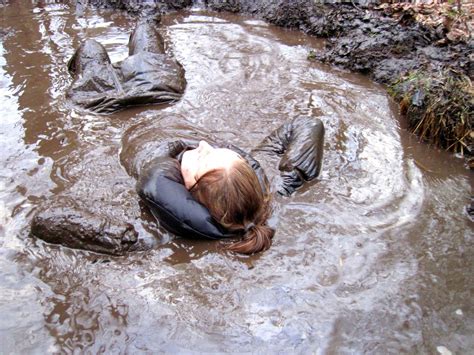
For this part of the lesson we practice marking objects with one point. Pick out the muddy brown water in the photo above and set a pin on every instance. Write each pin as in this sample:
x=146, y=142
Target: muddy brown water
x=374, y=257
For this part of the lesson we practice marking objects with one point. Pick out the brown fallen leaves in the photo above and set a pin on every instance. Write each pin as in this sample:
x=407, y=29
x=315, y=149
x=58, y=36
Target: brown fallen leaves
x=453, y=21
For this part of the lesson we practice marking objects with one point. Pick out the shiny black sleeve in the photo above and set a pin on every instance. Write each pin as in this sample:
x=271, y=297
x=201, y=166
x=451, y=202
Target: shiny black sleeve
x=161, y=187
x=175, y=148
x=300, y=143
x=138, y=159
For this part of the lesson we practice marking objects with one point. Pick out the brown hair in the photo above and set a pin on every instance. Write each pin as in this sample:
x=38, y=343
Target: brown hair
x=235, y=198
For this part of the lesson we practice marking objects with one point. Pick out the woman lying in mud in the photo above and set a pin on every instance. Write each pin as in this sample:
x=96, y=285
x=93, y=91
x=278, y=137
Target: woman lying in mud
x=219, y=191
x=196, y=190
x=201, y=190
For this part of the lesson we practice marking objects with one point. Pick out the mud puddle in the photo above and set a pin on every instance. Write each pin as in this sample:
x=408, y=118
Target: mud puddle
x=374, y=257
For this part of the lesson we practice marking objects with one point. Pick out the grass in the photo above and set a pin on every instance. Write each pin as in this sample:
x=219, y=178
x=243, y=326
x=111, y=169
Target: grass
x=439, y=108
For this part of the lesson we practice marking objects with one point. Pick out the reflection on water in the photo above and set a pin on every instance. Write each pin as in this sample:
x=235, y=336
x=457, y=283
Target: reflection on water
x=375, y=256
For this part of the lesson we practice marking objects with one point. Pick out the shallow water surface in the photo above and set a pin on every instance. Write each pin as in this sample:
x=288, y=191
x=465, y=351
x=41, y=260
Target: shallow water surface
x=373, y=257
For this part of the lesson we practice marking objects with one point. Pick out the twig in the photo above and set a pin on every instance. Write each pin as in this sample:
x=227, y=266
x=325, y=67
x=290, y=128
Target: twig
x=357, y=7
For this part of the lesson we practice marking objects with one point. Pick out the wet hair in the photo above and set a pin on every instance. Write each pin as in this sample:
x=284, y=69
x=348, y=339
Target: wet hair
x=236, y=199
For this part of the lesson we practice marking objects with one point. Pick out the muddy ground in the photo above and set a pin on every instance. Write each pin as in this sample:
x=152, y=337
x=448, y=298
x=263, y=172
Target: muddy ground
x=424, y=54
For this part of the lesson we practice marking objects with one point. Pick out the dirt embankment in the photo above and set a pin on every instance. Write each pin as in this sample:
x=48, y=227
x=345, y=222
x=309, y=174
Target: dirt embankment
x=138, y=6
x=423, y=53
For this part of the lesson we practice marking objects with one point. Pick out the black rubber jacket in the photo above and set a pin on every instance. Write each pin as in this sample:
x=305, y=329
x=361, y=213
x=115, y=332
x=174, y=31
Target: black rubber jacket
x=161, y=185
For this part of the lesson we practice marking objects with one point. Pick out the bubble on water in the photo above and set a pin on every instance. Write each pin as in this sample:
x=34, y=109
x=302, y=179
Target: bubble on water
x=443, y=350
x=4, y=213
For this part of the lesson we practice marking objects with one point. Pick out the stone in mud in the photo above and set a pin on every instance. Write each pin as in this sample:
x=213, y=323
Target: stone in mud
x=68, y=225
x=96, y=208
x=147, y=76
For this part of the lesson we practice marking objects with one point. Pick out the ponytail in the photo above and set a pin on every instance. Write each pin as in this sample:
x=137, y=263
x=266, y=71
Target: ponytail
x=257, y=238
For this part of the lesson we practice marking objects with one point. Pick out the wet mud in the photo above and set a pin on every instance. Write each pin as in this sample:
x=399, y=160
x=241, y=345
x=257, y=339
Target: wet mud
x=391, y=44
x=393, y=47
x=372, y=257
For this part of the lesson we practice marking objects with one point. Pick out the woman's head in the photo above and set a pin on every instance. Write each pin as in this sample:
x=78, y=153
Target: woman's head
x=226, y=184
x=205, y=158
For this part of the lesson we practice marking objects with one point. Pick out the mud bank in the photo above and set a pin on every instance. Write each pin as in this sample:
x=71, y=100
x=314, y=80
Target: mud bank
x=138, y=7
x=421, y=61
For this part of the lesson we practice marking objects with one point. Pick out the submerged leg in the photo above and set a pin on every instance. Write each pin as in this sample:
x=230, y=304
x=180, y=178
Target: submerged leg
x=145, y=38
x=95, y=79
x=90, y=54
